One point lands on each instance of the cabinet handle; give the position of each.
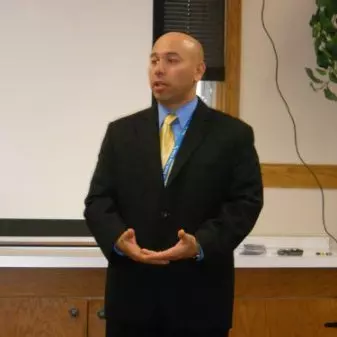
(101, 314)
(74, 312)
(331, 325)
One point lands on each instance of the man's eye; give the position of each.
(173, 60)
(154, 61)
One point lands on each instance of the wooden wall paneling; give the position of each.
(249, 318)
(301, 317)
(285, 282)
(297, 176)
(44, 282)
(228, 93)
(96, 323)
(43, 317)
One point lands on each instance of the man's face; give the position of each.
(172, 70)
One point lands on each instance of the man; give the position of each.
(177, 187)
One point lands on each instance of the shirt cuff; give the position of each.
(118, 251)
(200, 255)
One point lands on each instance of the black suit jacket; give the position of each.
(214, 192)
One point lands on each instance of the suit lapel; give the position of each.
(197, 130)
(147, 136)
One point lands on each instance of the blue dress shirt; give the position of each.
(184, 114)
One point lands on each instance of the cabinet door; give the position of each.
(96, 323)
(43, 317)
(301, 317)
(249, 318)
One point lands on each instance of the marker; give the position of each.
(323, 253)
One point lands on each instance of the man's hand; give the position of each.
(187, 247)
(128, 245)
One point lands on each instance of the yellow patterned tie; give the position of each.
(167, 138)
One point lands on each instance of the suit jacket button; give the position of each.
(165, 214)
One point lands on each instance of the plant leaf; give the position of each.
(321, 71)
(324, 3)
(330, 95)
(333, 77)
(312, 86)
(323, 60)
(310, 73)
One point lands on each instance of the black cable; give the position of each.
(293, 121)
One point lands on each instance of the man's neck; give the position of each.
(174, 106)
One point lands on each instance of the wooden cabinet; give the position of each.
(96, 321)
(51, 302)
(63, 317)
(69, 302)
(59, 317)
(301, 317)
(285, 317)
(249, 318)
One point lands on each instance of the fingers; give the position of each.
(184, 249)
(128, 245)
(142, 255)
(128, 234)
(181, 234)
(171, 254)
(147, 251)
(125, 238)
(149, 256)
(156, 262)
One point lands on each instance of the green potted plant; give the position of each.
(324, 32)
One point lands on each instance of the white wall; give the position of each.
(67, 68)
(287, 211)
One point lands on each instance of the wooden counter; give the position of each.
(58, 291)
(287, 302)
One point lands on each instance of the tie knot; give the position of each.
(169, 119)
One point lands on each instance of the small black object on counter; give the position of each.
(290, 252)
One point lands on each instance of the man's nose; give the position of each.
(159, 67)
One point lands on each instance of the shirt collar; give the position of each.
(184, 113)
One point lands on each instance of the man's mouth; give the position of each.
(159, 85)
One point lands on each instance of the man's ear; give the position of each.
(200, 71)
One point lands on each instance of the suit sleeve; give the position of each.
(101, 212)
(238, 214)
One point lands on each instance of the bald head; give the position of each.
(176, 39)
(176, 65)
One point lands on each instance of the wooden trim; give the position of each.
(285, 282)
(298, 176)
(228, 93)
(46, 282)
(37, 243)
(220, 93)
(90, 282)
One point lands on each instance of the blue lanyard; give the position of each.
(173, 154)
